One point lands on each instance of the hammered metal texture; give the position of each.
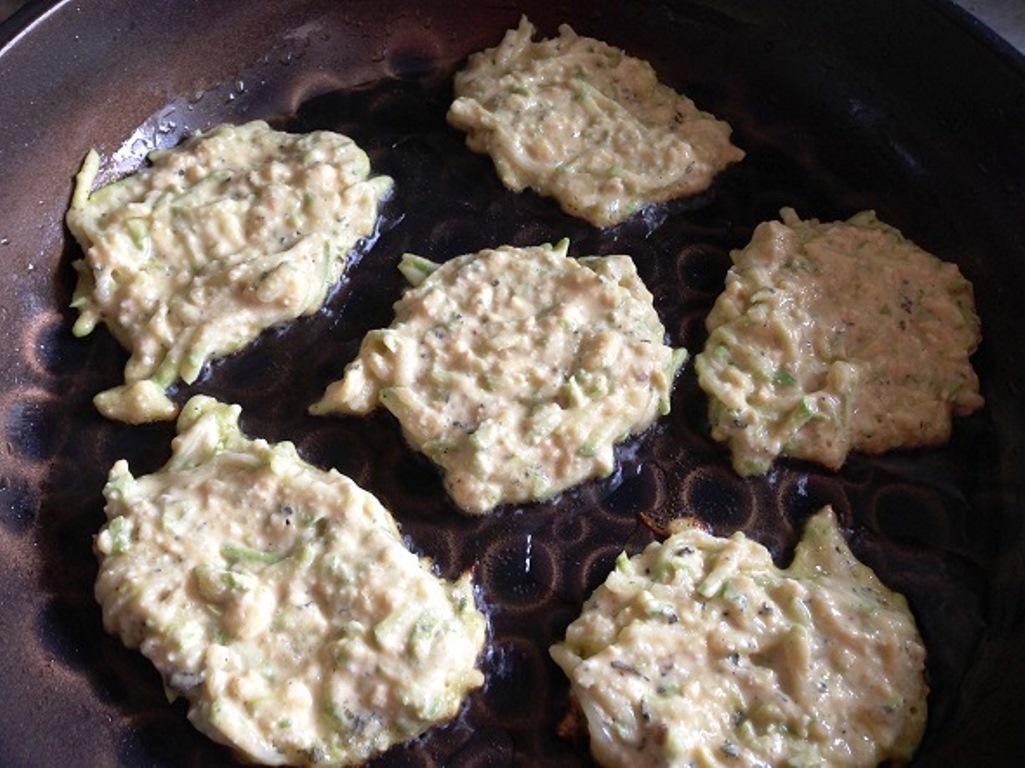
(937, 525)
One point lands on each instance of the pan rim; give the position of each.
(34, 13)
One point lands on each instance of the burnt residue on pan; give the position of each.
(917, 517)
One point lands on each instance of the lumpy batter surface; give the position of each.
(189, 259)
(516, 370)
(700, 651)
(833, 337)
(280, 600)
(581, 121)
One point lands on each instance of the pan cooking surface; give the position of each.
(928, 521)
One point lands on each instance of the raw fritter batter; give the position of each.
(837, 337)
(280, 600)
(580, 121)
(701, 652)
(515, 369)
(189, 259)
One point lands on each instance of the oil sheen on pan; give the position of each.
(920, 519)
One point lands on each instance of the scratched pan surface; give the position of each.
(906, 108)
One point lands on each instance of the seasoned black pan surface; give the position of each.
(903, 107)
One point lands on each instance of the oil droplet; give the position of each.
(802, 485)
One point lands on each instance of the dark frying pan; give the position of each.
(907, 107)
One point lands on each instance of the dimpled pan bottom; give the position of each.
(917, 517)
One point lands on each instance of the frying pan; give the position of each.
(909, 108)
